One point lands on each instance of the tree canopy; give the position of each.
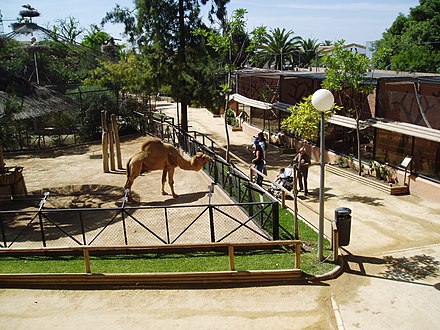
(309, 52)
(278, 48)
(412, 43)
(163, 32)
(304, 119)
(346, 75)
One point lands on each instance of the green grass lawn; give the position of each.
(266, 259)
(153, 263)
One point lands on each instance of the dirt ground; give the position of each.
(65, 170)
(74, 179)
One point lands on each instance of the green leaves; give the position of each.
(346, 71)
(305, 119)
(277, 48)
(309, 53)
(346, 74)
(132, 74)
(411, 43)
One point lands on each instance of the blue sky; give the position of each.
(353, 21)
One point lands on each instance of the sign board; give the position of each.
(406, 161)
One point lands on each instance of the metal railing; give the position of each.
(225, 175)
(255, 211)
(179, 224)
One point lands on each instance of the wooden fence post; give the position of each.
(335, 242)
(86, 256)
(111, 144)
(117, 142)
(231, 257)
(104, 141)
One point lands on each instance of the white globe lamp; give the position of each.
(323, 100)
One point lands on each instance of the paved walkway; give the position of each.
(392, 266)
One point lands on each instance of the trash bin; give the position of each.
(343, 224)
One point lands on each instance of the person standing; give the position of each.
(302, 160)
(261, 140)
(258, 162)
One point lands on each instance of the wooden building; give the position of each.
(400, 119)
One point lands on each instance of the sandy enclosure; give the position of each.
(75, 179)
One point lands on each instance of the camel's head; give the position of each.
(199, 160)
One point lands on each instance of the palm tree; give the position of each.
(309, 51)
(278, 48)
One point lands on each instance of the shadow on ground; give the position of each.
(58, 217)
(404, 269)
(363, 199)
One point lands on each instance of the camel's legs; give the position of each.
(130, 180)
(128, 183)
(171, 181)
(132, 173)
(170, 173)
(164, 179)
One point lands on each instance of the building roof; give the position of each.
(319, 73)
(36, 101)
(276, 74)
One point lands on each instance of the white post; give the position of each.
(322, 100)
(321, 190)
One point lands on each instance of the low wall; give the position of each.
(424, 188)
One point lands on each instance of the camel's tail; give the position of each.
(128, 173)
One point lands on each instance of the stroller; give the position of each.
(284, 179)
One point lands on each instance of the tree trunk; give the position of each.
(295, 202)
(226, 115)
(358, 145)
(357, 112)
(2, 163)
(226, 126)
(184, 116)
(182, 66)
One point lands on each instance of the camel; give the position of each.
(156, 155)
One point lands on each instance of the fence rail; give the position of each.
(225, 175)
(177, 224)
(254, 216)
(88, 250)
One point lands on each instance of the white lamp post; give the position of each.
(322, 100)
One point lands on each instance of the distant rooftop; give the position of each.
(318, 73)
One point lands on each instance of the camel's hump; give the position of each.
(153, 142)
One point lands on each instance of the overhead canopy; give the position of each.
(392, 126)
(387, 125)
(407, 129)
(282, 106)
(342, 121)
(250, 102)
